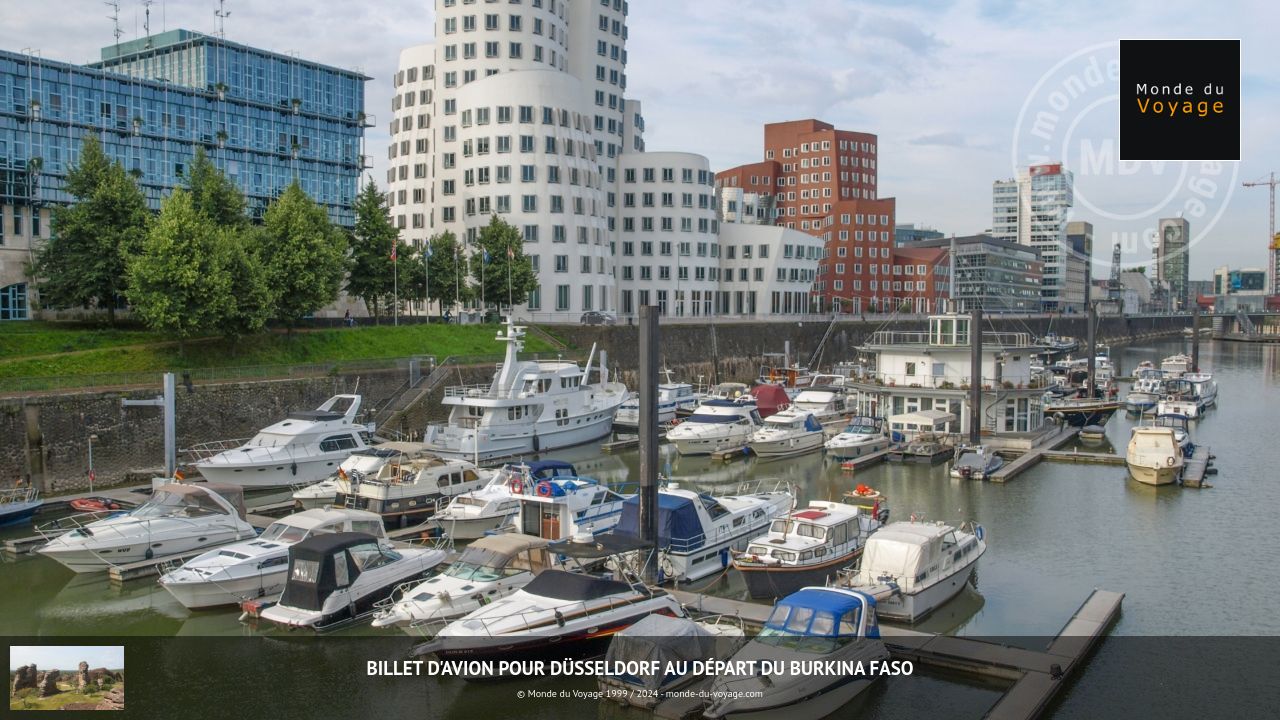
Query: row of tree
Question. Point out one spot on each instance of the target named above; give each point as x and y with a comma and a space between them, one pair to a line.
201, 267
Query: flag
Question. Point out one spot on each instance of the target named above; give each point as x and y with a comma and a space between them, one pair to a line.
177, 475
393, 254
511, 254
486, 257
427, 249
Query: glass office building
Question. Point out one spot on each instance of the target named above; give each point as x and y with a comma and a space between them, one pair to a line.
264, 118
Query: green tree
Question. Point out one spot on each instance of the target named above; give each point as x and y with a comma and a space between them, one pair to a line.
504, 247
371, 273
84, 262
303, 253
213, 194
252, 301
178, 282
447, 269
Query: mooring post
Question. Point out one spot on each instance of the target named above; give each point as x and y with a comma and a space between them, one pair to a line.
1195, 337
648, 377
1092, 319
975, 370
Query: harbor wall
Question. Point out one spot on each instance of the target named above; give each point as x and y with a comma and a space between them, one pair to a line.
45, 437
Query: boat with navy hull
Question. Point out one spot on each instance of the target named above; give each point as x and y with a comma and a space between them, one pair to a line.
975, 462
18, 504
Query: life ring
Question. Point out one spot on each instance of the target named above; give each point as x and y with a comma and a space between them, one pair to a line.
864, 491
1170, 460
1170, 398
516, 485
543, 489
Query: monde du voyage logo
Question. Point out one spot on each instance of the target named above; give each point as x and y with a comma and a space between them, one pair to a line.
1180, 99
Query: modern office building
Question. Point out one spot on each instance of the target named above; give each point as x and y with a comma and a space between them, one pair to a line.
264, 118
1032, 209
907, 234
767, 269
992, 274
1080, 241
1173, 260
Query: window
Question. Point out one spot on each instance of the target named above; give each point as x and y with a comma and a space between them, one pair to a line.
562, 297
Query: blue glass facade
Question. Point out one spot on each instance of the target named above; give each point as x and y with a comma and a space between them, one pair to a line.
264, 118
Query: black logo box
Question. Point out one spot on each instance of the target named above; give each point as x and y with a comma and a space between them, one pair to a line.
1205, 73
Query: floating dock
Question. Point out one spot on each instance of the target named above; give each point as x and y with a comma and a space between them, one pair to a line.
626, 443
1031, 457
1197, 467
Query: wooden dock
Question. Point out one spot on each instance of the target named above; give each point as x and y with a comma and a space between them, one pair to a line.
1032, 457
854, 464
626, 443
731, 454
1197, 467
1036, 676
1083, 457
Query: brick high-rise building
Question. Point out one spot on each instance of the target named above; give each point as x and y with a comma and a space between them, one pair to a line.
822, 181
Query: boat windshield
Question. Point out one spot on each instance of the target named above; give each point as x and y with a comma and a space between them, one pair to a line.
861, 429
167, 504
481, 565
283, 532
808, 630
709, 419
266, 439
802, 529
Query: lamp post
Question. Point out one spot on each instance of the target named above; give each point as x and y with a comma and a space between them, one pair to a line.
92, 437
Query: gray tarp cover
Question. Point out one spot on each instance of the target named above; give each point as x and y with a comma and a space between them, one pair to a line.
666, 639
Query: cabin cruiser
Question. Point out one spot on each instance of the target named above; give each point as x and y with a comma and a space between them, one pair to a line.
975, 462
305, 447
1181, 431
1175, 365
18, 504
1145, 392
697, 532
404, 493
715, 426
555, 503
729, 391
670, 642
473, 514
925, 447
862, 436
1203, 387
1058, 345
258, 567
912, 568
558, 614
531, 406
362, 463
179, 518
1153, 456
828, 403
673, 399
1080, 411
789, 432
814, 624
806, 547
335, 578
1182, 399
488, 569
792, 378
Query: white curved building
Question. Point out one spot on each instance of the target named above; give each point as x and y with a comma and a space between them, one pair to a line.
411, 168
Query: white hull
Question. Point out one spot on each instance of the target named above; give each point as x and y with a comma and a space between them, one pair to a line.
213, 593
505, 443
470, 528
853, 450
912, 607
278, 473
1155, 475
97, 558
705, 444
793, 445
1190, 408
819, 706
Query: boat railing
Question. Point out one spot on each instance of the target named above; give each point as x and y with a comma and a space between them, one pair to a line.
205, 450
478, 390
81, 521
10, 496
530, 620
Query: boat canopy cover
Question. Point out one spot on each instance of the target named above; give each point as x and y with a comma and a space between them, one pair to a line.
543, 469
198, 494
507, 550
319, 565
562, 585
677, 519
770, 398
901, 549
811, 423
821, 612
663, 639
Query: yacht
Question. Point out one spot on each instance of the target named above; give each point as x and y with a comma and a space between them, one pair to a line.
729, 391
814, 624
179, 518
488, 569
555, 503
1080, 411
1203, 387
531, 406
914, 567
1181, 431
1175, 365
697, 533
674, 644
305, 447
473, 514
790, 432
1181, 399
558, 614
258, 567
806, 547
1153, 456
673, 399
18, 504
405, 493
715, 426
1145, 392
828, 403
362, 463
975, 462
862, 436
335, 579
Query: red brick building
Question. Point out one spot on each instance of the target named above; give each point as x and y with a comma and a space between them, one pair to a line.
823, 181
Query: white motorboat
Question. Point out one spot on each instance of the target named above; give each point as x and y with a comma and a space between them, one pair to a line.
555, 503
697, 533
1203, 388
673, 398
729, 391
490, 568
975, 462
531, 406
258, 567
336, 578
715, 426
862, 436
305, 447
1175, 365
829, 403
18, 504
806, 547
670, 643
815, 624
473, 514
362, 463
1181, 398
1153, 456
1145, 392
912, 568
1181, 431
408, 492
789, 432
179, 518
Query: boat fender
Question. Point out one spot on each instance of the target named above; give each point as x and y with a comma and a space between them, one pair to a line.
559, 618
1170, 460
544, 489
724, 557
293, 467
148, 554
979, 532
536, 444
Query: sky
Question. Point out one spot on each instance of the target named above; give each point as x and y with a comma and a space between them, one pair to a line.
66, 657
942, 82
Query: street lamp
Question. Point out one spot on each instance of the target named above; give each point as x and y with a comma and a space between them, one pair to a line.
92, 437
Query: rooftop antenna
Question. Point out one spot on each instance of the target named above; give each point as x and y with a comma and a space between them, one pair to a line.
146, 20
114, 17
223, 13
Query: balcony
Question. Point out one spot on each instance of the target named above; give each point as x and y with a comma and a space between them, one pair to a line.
920, 338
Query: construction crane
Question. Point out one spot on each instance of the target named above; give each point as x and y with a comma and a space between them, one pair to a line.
1273, 247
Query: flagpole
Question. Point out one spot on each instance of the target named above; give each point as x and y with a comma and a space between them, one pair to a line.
510, 259
483, 262
457, 282
395, 270
426, 278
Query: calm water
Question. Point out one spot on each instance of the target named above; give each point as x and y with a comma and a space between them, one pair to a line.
1054, 534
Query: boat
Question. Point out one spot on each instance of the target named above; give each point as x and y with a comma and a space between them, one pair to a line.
1182, 398
672, 643
807, 547
258, 567
1080, 411
94, 504
488, 569
698, 532
305, 447
473, 514
729, 391
1153, 456
770, 399
178, 518
555, 503
1181, 431
862, 436
871, 500
1145, 392
1175, 365
790, 432
1203, 387
792, 378
18, 504
925, 447
673, 399
717, 425
530, 406
1056, 345
559, 614
912, 568
828, 403
362, 463
409, 492
814, 624
336, 578
975, 462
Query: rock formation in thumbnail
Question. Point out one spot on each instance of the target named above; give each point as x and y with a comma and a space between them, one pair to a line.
49, 685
